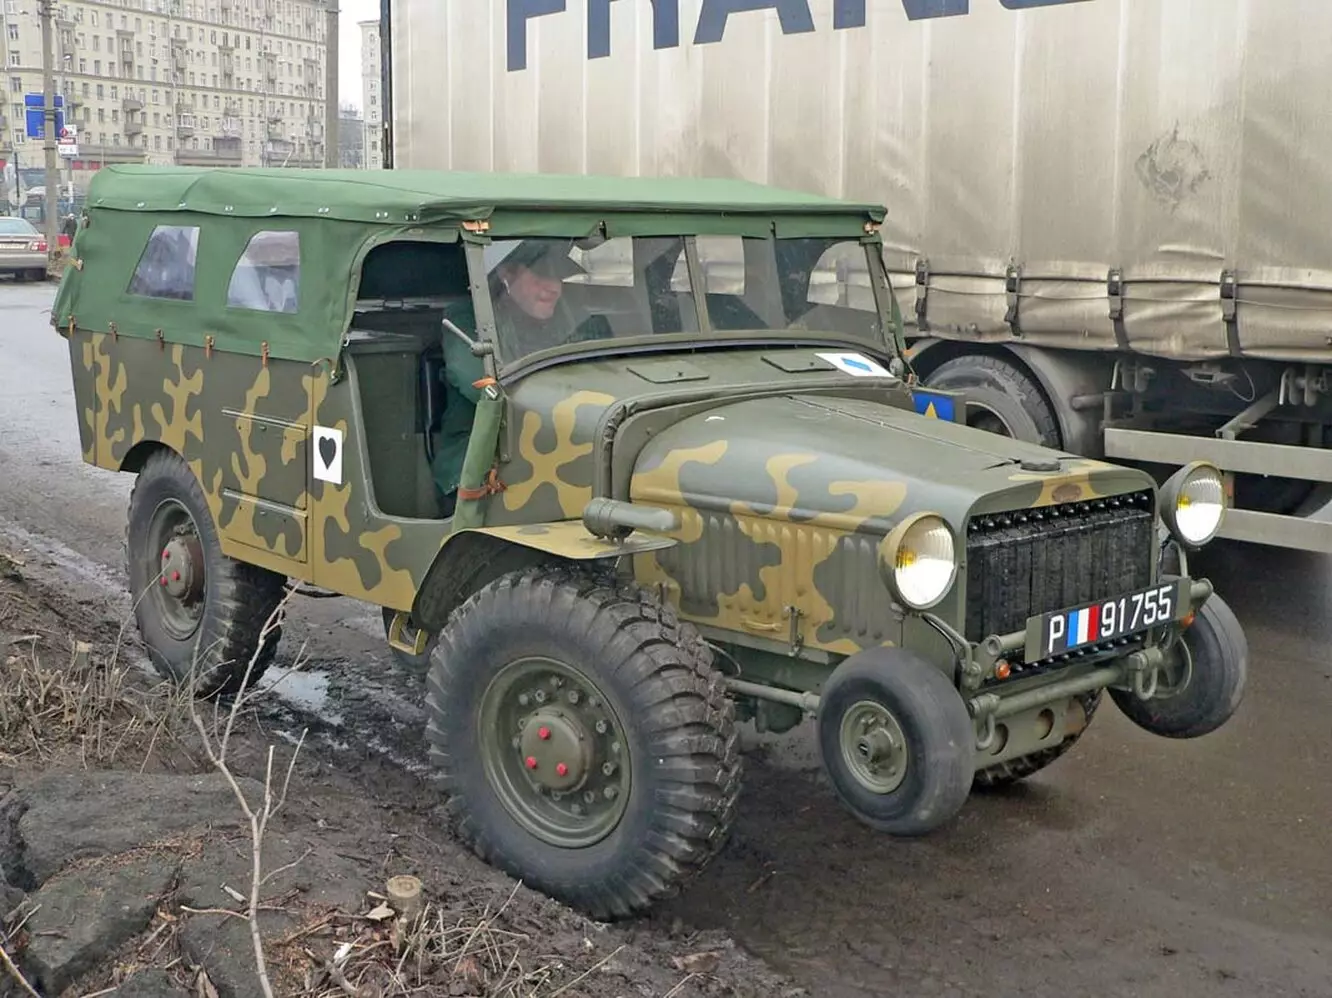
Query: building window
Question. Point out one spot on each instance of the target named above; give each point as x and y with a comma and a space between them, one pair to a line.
166, 268
13, 32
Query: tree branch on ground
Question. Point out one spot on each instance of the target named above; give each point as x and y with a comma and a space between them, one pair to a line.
216, 746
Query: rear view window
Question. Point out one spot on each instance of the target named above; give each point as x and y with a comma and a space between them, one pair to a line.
166, 268
268, 276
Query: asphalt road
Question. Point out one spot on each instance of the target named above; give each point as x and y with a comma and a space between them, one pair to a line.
1133, 867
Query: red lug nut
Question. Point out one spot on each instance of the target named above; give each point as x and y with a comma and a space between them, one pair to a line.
175, 576
531, 762
562, 770
164, 582
543, 733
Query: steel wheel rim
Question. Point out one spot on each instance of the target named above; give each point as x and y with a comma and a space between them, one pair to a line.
874, 747
987, 419
174, 559
554, 752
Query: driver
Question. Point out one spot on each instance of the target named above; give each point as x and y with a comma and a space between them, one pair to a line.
526, 281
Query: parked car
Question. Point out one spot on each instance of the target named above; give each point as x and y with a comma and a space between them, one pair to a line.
22, 249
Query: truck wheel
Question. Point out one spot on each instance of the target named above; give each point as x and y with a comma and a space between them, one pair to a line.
896, 740
414, 663
1005, 774
1001, 398
1205, 686
189, 595
584, 738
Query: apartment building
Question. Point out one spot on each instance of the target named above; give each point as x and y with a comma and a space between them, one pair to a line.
371, 86
192, 82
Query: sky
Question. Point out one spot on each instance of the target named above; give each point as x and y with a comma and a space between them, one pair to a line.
349, 47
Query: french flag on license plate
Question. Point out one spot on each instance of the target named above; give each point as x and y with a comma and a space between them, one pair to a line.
1083, 625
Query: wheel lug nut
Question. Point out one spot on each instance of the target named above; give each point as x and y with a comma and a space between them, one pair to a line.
544, 734
573, 696
608, 768
611, 792
516, 741
615, 747
175, 576
560, 769
524, 699
540, 696
164, 581
556, 681
589, 796
576, 808
531, 762
594, 701
602, 727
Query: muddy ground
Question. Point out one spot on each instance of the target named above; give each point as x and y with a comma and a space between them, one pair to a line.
121, 846
1133, 867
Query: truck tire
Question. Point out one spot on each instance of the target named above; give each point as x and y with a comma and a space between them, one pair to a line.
187, 594
1214, 688
896, 741
584, 738
1005, 774
1001, 398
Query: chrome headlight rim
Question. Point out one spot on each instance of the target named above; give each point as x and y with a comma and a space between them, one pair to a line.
891, 549
1185, 484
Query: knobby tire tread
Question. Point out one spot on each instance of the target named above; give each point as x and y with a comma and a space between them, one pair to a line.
686, 719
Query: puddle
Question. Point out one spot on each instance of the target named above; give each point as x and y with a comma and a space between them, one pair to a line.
304, 689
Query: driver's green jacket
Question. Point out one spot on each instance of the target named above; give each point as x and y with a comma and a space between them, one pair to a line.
462, 369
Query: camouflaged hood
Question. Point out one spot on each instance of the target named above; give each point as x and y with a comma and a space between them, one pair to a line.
856, 465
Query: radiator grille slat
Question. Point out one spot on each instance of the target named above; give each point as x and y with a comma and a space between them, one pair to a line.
1027, 562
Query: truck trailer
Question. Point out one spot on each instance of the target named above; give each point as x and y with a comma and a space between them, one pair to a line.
1109, 221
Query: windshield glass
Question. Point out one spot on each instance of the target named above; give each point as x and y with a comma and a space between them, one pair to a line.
549, 292
16, 227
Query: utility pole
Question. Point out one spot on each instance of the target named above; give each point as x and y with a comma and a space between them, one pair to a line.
331, 147
52, 199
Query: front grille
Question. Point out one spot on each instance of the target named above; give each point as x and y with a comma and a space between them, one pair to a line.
1025, 562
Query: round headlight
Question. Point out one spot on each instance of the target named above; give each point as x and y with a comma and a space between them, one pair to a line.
918, 561
1193, 503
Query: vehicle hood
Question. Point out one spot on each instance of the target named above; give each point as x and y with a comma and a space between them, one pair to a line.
855, 465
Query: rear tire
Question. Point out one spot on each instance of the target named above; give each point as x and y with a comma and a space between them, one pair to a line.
1214, 686
584, 738
896, 740
210, 602
1001, 398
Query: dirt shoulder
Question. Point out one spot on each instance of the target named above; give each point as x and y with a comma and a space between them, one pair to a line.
128, 861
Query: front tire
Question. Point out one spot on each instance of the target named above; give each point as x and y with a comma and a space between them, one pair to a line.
1205, 687
896, 740
189, 597
584, 738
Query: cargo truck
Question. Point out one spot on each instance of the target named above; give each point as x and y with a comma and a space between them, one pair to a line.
1110, 221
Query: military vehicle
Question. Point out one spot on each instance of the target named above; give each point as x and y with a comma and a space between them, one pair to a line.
620, 499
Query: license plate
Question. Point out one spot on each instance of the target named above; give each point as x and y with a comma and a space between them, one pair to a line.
1093, 623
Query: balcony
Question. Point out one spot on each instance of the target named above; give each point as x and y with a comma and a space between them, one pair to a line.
131, 104
133, 127
186, 125
110, 154
226, 156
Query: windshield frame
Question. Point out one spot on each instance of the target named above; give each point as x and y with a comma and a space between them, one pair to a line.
890, 347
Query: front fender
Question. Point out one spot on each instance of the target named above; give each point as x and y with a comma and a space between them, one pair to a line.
475, 556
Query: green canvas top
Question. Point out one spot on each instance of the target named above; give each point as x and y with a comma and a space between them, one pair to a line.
397, 196
338, 216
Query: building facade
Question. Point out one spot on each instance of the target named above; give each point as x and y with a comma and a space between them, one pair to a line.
371, 87
351, 138
191, 82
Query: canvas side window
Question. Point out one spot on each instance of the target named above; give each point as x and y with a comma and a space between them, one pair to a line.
166, 268
267, 277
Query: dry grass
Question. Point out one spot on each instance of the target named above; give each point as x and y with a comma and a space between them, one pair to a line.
91, 704
464, 947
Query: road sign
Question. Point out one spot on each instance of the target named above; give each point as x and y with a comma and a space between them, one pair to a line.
33, 105
68, 141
